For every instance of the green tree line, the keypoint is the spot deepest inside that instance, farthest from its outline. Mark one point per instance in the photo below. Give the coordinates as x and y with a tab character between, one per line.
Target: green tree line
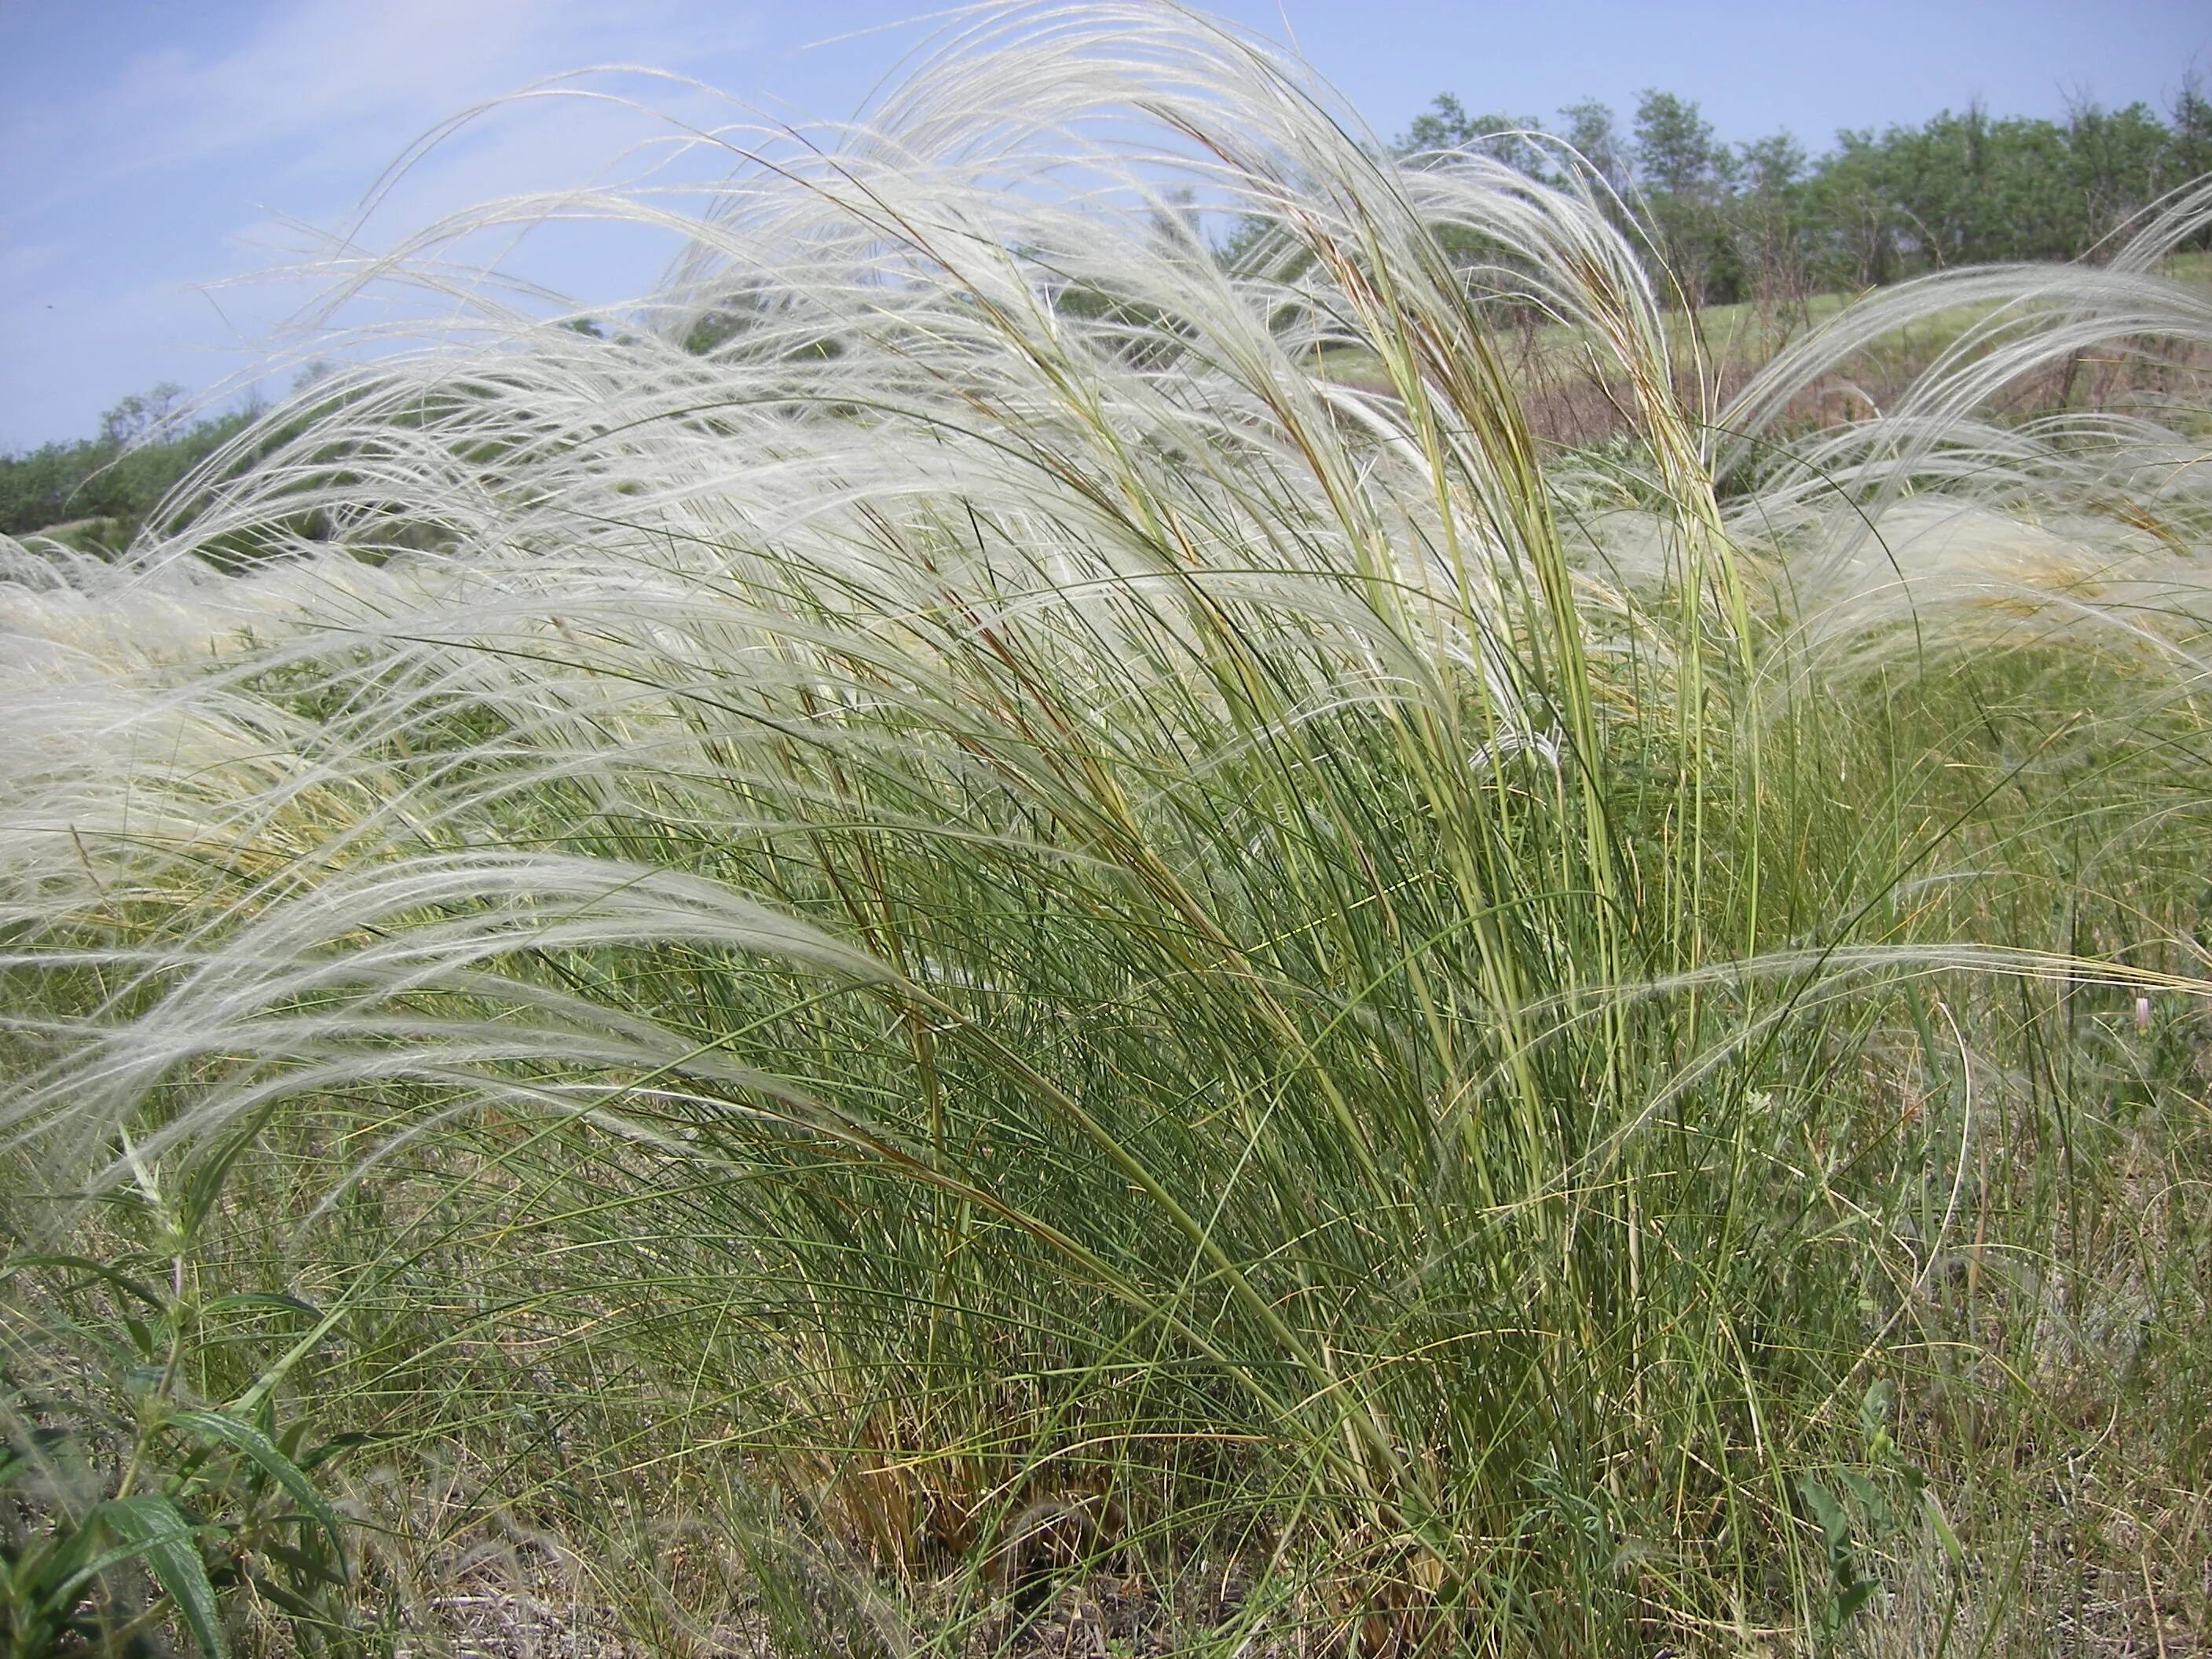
107	486
1760	220
1765	220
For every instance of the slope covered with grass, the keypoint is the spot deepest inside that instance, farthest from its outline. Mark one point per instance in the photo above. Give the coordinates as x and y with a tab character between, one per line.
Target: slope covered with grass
997	958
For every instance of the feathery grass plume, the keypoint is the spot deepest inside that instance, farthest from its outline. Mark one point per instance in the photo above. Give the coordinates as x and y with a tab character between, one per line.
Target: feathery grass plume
942	883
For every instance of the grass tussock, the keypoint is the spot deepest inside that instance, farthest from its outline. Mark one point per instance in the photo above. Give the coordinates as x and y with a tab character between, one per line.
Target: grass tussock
937	950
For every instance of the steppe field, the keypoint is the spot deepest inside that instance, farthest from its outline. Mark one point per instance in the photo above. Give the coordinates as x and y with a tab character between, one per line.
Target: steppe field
1014	927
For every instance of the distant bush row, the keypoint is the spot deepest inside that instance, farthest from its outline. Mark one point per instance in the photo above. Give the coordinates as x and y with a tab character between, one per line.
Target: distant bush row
1762	220
1758	221
107	485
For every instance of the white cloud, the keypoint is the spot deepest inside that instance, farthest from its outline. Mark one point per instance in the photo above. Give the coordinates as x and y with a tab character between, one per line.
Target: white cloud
223	150
338	84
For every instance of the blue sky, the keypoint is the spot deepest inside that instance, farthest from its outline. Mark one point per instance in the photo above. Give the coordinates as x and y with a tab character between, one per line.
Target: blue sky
156	154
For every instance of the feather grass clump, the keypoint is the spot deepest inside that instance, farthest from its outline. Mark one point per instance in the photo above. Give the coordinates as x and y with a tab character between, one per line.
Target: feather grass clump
943	883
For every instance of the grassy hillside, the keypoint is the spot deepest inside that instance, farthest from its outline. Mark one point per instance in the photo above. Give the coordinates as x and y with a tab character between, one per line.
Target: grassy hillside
1002	968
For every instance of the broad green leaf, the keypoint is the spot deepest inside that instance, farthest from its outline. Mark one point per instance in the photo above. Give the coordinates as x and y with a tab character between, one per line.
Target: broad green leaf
1941	1523
245	1437
159	1536
263	1299
1851	1600
1828	1513
1869	1496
